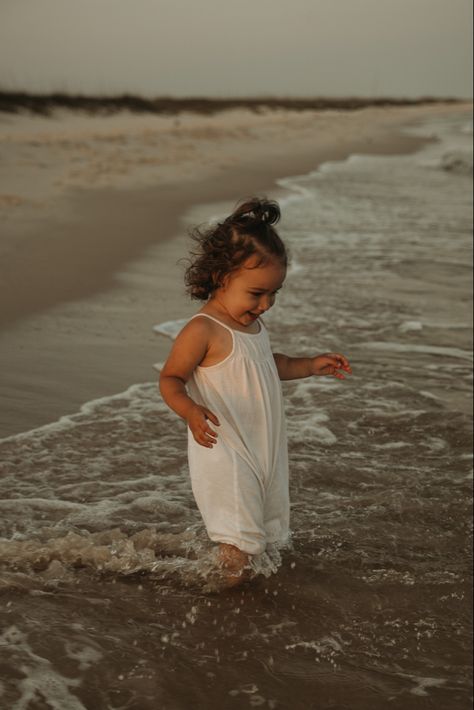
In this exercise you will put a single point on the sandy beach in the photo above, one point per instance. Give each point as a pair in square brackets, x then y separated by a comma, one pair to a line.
[94, 215]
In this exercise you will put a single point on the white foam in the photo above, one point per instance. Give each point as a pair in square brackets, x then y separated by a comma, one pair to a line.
[429, 395]
[413, 348]
[294, 267]
[410, 326]
[188, 555]
[88, 408]
[423, 683]
[297, 191]
[435, 443]
[40, 677]
[84, 653]
[321, 645]
[170, 328]
[392, 445]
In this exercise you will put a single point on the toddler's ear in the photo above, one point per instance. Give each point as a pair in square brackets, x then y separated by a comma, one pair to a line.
[220, 281]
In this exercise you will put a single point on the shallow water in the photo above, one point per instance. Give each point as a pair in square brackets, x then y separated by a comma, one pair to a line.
[109, 591]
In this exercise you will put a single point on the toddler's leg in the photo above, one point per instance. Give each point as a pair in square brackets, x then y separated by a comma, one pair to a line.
[234, 563]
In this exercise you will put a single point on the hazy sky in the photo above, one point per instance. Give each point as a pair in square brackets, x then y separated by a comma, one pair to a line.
[238, 48]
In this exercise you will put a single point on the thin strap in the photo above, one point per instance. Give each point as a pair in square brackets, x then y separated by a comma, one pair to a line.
[216, 320]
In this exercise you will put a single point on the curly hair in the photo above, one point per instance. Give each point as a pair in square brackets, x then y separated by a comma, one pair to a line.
[224, 247]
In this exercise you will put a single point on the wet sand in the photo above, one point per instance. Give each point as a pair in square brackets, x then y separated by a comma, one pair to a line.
[90, 264]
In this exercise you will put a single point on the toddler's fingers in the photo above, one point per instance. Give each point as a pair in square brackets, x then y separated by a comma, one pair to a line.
[209, 435]
[207, 432]
[212, 417]
[333, 371]
[340, 362]
[204, 440]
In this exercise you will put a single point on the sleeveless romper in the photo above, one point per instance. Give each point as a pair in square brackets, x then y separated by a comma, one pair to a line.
[241, 484]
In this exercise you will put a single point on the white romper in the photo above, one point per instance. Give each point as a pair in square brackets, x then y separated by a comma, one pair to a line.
[241, 484]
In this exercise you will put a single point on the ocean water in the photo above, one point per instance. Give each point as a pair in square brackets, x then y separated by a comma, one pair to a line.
[109, 592]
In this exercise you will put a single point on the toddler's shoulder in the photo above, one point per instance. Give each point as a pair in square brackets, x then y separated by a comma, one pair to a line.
[197, 327]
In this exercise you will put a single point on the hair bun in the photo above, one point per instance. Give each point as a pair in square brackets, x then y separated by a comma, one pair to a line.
[259, 210]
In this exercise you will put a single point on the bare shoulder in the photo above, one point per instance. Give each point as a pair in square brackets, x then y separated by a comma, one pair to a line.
[197, 328]
[189, 349]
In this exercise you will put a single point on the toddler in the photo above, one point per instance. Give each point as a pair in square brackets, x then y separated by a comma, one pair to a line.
[223, 379]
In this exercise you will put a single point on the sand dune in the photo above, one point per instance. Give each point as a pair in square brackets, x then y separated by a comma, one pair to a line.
[45, 155]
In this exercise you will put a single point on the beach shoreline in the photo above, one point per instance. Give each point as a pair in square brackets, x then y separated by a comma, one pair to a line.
[78, 314]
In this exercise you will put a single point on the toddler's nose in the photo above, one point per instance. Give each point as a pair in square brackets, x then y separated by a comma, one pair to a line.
[265, 304]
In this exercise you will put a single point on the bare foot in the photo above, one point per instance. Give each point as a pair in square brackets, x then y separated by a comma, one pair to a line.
[234, 564]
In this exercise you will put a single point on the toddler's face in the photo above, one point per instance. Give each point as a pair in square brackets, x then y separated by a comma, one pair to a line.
[247, 293]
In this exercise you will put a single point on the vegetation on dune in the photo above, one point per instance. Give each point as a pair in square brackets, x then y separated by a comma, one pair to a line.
[45, 104]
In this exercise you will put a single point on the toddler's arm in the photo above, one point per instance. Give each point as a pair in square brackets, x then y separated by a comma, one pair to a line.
[295, 368]
[187, 352]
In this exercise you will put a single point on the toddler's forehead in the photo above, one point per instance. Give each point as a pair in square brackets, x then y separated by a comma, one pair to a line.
[269, 275]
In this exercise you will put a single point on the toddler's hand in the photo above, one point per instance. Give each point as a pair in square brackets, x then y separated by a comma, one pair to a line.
[197, 422]
[330, 364]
